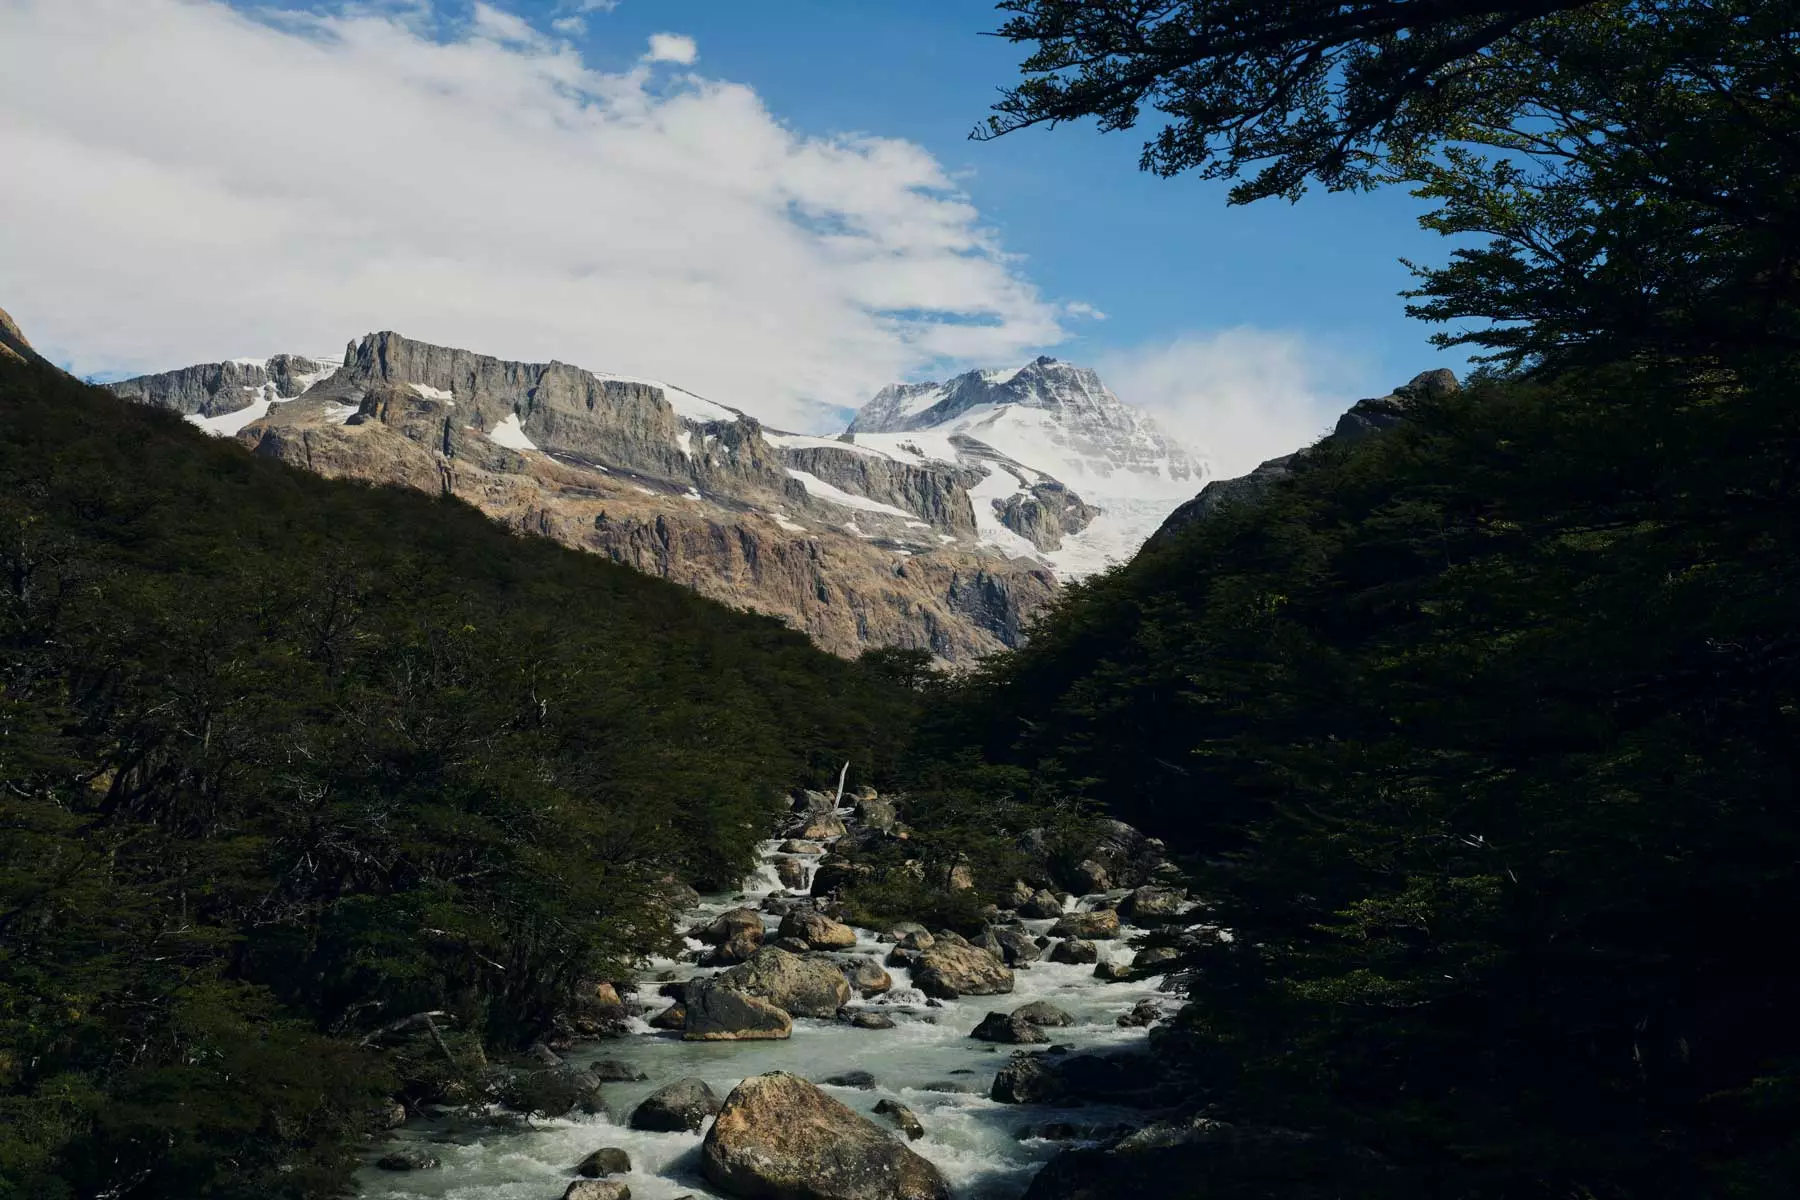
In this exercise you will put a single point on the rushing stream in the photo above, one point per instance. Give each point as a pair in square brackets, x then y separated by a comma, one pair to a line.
[928, 1062]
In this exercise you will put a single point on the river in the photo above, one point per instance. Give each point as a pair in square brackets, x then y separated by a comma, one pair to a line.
[928, 1062]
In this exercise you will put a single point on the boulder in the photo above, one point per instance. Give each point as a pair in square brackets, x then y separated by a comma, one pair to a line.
[1089, 876]
[672, 1017]
[716, 1013]
[866, 976]
[554, 1090]
[1017, 947]
[899, 956]
[739, 947]
[792, 945]
[680, 1106]
[1002, 1027]
[796, 846]
[791, 872]
[948, 971]
[817, 930]
[1042, 904]
[1144, 1012]
[1017, 893]
[1112, 972]
[608, 1160]
[801, 987]
[597, 1189]
[960, 879]
[876, 813]
[731, 923]
[860, 1080]
[821, 827]
[408, 1158]
[903, 1117]
[1154, 956]
[899, 929]
[780, 1138]
[1150, 905]
[916, 939]
[871, 1020]
[809, 802]
[834, 873]
[1090, 926]
[1027, 1079]
[1043, 1013]
[1075, 950]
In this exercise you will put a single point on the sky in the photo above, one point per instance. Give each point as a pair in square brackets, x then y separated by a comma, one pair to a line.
[775, 205]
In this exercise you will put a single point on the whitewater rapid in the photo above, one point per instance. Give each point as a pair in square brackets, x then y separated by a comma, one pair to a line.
[928, 1062]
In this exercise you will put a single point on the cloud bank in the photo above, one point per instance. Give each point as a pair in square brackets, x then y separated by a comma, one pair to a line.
[1236, 397]
[187, 182]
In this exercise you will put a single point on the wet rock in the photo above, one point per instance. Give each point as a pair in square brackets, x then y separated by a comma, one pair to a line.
[916, 939]
[1151, 905]
[903, 1117]
[608, 1160]
[553, 1090]
[1090, 876]
[1017, 893]
[899, 957]
[899, 929]
[1144, 1012]
[598, 1011]
[612, 1070]
[1075, 950]
[867, 977]
[817, 930]
[834, 873]
[1112, 972]
[1090, 926]
[1042, 904]
[408, 1158]
[791, 872]
[792, 945]
[1027, 1079]
[1043, 1013]
[780, 1138]
[682, 1105]
[597, 1189]
[1010, 1028]
[728, 924]
[861, 1080]
[716, 1013]
[821, 827]
[796, 846]
[801, 987]
[391, 1115]
[948, 971]
[1017, 947]
[672, 1017]
[871, 1020]
[1154, 956]
[810, 803]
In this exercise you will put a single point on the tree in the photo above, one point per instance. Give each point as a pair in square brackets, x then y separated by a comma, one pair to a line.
[1632, 162]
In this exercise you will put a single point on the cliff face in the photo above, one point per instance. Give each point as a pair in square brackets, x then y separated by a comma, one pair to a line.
[852, 546]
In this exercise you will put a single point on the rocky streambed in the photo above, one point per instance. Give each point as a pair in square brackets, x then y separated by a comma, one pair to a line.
[843, 1056]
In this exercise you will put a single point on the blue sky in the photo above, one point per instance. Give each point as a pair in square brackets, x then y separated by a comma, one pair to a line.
[1161, 257]
[783, 216]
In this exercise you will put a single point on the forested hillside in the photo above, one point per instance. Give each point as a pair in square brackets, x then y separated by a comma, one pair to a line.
[287, 760]
[1482, 732]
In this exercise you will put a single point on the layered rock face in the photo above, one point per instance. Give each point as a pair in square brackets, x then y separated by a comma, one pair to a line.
[1363, 418]
[853, 547]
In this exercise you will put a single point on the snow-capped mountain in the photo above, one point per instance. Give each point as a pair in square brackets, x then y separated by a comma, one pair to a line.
[1071, 474]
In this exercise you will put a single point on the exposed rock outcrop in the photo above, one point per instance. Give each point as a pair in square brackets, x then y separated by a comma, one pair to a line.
[1364, 418]
[801, 987]
[780, 1138]
[947, 971]
[1045, 513]
[12, 341]
[682, 1105]
[715, 1013]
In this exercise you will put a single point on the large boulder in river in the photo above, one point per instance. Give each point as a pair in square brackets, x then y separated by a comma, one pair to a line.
[876, 813]
[791, 872]
[866, 976]
[948, 970]
[1149, 905]
[817, 930]
[1089, 926]
[1043, 903]
[682, 1105]
[1078, 951]
[1002, 1027]
[801, 987]
[780, 1138]
[1017, 947]
[716, 1013]
[1044, 1013]
[820, 827]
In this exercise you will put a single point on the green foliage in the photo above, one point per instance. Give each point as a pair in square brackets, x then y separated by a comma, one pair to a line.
[1487, 729]
[285, 760]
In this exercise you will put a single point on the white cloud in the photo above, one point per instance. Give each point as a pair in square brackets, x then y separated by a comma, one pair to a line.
[185, 182]
[570, 26]
[672, 48]
[1239, 396]
[1081, 308]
